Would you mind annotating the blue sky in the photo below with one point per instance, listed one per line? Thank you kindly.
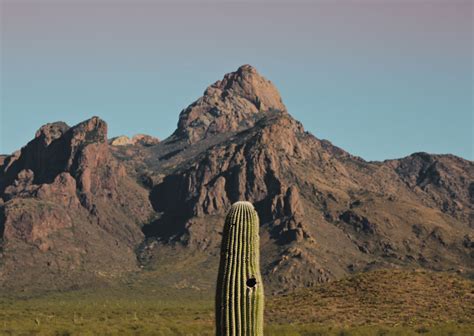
(379, 79)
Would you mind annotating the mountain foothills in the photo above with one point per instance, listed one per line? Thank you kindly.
(77, 208)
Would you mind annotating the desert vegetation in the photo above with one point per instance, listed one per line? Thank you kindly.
(239, 294)
(382, 302)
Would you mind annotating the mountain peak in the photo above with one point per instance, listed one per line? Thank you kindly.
(247, 67)
(51, 131)
(231, 104)
(248, 83)
(90, 131)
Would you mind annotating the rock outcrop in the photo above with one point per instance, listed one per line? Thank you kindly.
(138, 139)
(234, 103)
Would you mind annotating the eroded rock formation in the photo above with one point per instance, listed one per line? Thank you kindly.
(65, 196)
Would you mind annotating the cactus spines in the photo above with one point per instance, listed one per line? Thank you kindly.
(239, 295)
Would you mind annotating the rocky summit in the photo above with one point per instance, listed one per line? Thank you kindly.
(234, 103)
(77, 208)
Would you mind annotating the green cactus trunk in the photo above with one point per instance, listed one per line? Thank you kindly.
(239, 295)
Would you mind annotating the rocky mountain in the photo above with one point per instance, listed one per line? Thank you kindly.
(69, 212)
(78, 209)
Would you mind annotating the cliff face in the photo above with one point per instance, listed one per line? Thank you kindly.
(70, 198)
(70, 212)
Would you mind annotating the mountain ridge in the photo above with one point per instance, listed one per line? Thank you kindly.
(324, 212)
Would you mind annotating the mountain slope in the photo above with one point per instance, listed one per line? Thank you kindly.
(324, 213)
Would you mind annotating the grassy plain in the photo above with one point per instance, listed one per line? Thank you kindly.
(377, 303)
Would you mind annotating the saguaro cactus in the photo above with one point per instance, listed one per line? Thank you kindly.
(239, 296)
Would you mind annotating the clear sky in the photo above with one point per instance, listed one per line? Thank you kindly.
(381, 79)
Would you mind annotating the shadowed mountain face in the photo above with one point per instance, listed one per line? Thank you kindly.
(73, 205)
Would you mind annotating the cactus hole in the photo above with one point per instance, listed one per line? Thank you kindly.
(251, 282)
